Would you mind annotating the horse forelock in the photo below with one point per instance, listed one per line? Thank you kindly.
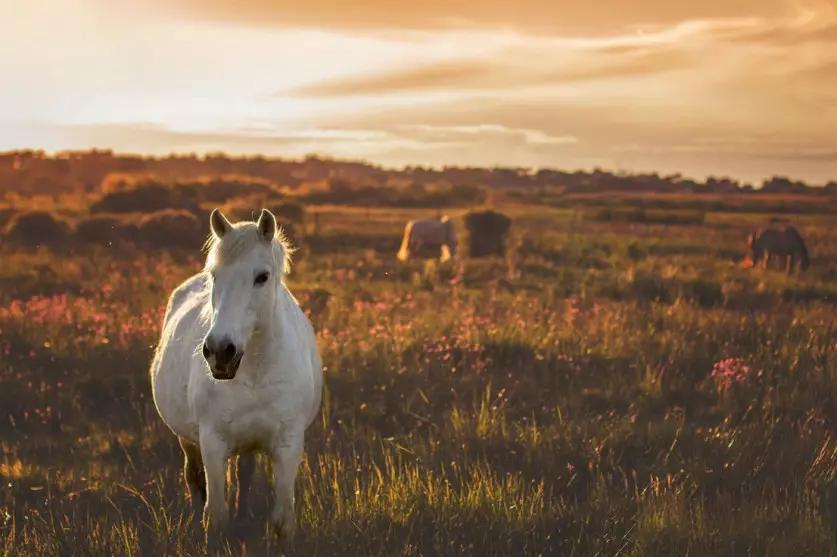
(239, 241)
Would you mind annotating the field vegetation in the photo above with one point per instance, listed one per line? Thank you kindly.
(615, 384)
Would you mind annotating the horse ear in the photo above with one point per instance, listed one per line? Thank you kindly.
(267, 225)
(219, 223)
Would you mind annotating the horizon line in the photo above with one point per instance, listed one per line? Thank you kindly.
(404, 168)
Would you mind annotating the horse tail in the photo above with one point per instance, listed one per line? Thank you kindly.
(404, 252)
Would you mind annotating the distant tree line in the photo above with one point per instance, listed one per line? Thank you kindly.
(28, 173)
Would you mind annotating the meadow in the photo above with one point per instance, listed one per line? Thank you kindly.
(609, 387)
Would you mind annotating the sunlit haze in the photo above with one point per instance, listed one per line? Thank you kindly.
(744, 88)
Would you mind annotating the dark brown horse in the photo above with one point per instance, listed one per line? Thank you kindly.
(785, 243)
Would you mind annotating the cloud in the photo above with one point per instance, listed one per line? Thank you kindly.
(545, 16)
(342, 141)
(535, 65)
(451, 74)
(484, 133)
(560, 83)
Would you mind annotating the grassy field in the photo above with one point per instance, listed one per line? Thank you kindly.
(608, 388)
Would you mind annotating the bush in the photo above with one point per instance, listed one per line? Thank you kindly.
(221, 189)
(631, 214)
(106, 230)
(487, 231)
(36, 228)
(464, 194)
(289, 212)
(639, 215)
(172, 229)
(125, 181)
(146, 198)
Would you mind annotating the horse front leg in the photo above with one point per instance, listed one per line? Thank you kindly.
(214, 453)
(246, 466)
(287, 456)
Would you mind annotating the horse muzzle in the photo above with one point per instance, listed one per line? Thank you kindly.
(223, 358)
(224, 371)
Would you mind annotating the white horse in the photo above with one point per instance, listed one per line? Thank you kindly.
(429, 231)
(237, 370)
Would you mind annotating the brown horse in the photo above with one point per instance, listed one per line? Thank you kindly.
(785, 243)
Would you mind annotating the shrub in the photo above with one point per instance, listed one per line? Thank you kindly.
(630, 214)
(171, 229)
(125, 181)
(639, 215)
(289, 212)
(221, 189)
(106, 230)
(464, 194)
(145, 198)
(35, 228)
(487, 231)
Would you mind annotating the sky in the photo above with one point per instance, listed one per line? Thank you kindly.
(739, 88)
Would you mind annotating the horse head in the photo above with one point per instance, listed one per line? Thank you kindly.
(247, 262)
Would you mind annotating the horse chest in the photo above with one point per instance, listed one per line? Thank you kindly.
(249, 418)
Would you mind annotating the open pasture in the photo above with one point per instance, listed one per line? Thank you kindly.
(607, 388)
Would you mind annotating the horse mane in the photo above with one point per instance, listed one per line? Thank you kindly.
(240, 240)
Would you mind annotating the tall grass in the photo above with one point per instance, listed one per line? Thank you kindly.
(628, 390)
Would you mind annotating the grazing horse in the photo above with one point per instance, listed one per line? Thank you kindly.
(785, 243)
(237, 370)
(433, 232)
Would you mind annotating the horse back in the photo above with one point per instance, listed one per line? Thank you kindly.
(188, 289)
(182, 317)
(797, 240)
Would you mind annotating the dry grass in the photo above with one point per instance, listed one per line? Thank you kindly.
(633, 392)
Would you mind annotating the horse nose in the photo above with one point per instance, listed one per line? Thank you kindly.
(224, 350)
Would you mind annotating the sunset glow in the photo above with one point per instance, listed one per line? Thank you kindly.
(742, 88)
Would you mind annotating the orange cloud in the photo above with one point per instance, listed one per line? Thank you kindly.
(453, 74)
(531, 62)
(566, 16)
(631, 85)
(513, 72)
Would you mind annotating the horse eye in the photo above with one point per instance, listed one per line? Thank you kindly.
(261, 278)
